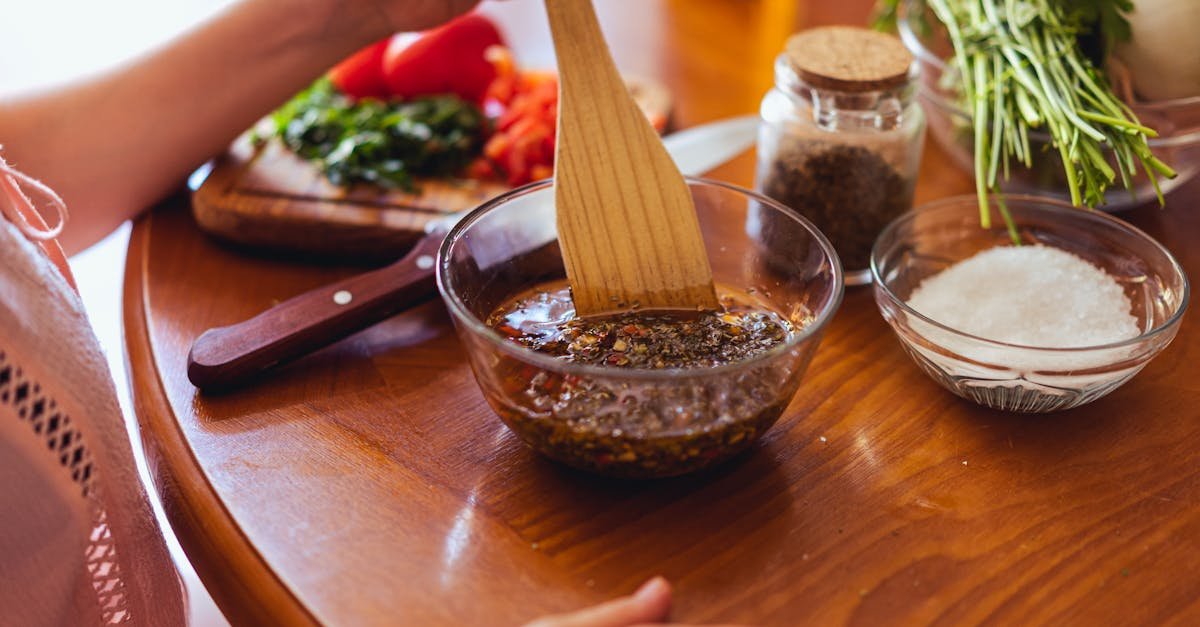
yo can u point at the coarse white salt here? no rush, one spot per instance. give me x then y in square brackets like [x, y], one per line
[1029, 295]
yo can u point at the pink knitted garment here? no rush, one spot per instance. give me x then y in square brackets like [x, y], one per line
[78, 541]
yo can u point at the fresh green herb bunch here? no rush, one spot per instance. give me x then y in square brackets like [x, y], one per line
[1022, 67]
[377, 142]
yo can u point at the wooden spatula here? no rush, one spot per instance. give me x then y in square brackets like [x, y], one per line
[626, 221]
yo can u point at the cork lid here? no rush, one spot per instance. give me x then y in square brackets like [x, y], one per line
[848, 58]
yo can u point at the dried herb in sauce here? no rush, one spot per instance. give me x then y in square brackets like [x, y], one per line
[626, 427]
[642, 339]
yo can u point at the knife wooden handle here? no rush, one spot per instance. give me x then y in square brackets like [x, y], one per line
[226, 357]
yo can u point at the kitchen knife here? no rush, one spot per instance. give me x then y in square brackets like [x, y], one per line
[225, 357]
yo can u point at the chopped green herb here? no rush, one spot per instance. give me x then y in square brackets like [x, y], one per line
[377, 142]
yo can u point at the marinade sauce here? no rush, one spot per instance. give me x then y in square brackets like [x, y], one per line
[544, 320]
[633, 427]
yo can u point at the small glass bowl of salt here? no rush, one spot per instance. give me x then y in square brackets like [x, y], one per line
[1080, 307]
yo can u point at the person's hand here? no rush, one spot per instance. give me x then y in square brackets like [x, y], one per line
[378, 18]
[419, 14]
[650, 605]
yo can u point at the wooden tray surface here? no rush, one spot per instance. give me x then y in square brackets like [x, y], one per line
[371, 484]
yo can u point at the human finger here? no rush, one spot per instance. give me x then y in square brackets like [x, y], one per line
[649, 605]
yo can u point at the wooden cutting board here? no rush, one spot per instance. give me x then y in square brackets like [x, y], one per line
[266, 199]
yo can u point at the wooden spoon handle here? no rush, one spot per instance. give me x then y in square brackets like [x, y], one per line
[626, 219]
[229, 356]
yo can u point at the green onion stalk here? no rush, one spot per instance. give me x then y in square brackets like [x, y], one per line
[1022, 68]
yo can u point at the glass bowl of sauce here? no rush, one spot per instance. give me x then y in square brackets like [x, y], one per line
[640, 394]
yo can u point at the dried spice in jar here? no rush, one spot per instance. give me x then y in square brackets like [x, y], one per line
[626, 427]
[841, 136]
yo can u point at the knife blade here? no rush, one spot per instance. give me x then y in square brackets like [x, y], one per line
[698, 149]
[229, 356]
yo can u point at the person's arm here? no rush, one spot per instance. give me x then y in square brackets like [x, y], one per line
[116, 143]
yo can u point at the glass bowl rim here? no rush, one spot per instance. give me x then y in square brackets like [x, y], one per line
[1054, 206]
[459, 311]
[924, 55]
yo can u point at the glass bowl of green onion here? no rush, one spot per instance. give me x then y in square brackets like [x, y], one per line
[1176, 124]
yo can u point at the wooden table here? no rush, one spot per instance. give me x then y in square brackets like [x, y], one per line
[370, 483]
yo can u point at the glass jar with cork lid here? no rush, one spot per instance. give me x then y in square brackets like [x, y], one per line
[841, 136]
